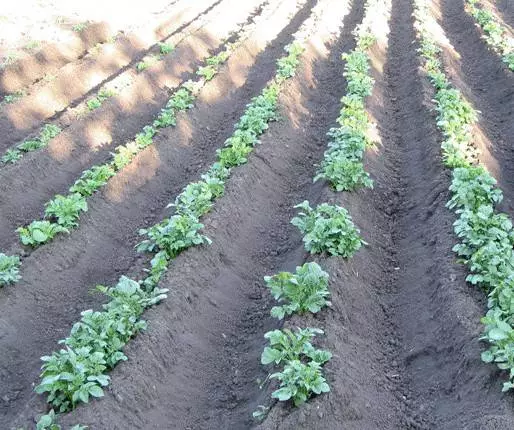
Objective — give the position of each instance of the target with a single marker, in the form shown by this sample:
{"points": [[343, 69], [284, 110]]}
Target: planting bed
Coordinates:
{"points": [[403, 324]]}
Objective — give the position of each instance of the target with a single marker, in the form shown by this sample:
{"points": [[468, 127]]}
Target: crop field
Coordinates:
{"points": [[260, 214]]}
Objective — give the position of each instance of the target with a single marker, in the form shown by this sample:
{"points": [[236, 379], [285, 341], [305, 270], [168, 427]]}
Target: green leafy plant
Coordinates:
{"points": [[473, 187], [495, 34], [38, 232], [91, 180], [327, 229], [301, 374], [165, 48], [173, 235], [77, 372], [299, 381], [97, 101], [81, 26], [66, 210], [304, 291], [124, 155], [9, 269], [196, 199], [287, 345], [486, 237], [208, 72], [14, 97], [286, 66], [11, 156], [47, 132]]}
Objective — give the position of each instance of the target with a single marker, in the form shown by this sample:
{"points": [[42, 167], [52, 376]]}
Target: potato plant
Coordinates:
{"points": [[49, 422], [301, 375], [39, 232], [327, 229], [303, 291], [9, 269], [96, 102]]}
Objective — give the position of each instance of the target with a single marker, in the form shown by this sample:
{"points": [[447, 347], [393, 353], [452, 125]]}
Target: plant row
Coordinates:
{"points": [[495, 34], [486, 236], [326, 229], [342, 165], [47, 133], [78, 372], [62, 213]]}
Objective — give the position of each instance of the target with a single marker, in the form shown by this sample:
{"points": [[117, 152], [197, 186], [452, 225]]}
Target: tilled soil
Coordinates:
{"points": [[403, 325], [506, 8]]}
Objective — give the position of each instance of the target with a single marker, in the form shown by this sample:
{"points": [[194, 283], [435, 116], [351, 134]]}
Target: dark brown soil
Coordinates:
{"points": [[489, 85], [81, 79], [403, 326], [506, 9], [50, 58]]}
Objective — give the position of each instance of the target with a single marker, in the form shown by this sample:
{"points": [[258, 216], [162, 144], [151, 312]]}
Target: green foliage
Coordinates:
{"points": [[304, 291], [342, 164], [196, 199], [182, 100], [234, 155], [66, 210], [357, 74], [97, 101], [219, 59], [142, 65], [327, 229], [298, 381], [39, 232], [473, 187], [165, 48], [81, 26], [92, 179], [208, 72], [124, 155], [9, 269], [149, 61], [173, 235], [11, 156], [77, 372], [287, 345], [286, 66], [13, 97], [47, 132], [455, 115]]}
